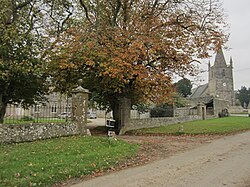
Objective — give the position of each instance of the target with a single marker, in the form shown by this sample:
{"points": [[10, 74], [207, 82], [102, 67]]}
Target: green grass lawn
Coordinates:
{"points": [[211, 126], [46, 162]]}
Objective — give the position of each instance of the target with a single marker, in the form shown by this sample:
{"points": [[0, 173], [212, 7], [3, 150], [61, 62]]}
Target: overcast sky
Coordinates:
{"points": [[238, 13]]}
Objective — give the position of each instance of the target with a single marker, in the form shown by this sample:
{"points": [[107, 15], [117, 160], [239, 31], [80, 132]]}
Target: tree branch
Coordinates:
{"points": [[86, 10], [21, 5], [116, 11]]}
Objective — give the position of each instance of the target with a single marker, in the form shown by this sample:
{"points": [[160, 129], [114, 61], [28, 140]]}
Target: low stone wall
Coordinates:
{"points": [[185, 111], [134, 114], [31, 132], [236, 109], [156, 122]]}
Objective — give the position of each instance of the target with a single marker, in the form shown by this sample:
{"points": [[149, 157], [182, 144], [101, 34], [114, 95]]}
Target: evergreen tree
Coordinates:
{"points": [[243, 95]]}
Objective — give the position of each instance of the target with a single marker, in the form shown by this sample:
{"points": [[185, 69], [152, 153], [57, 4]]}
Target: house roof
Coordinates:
{"points": [[207, 100], [197, 92]]}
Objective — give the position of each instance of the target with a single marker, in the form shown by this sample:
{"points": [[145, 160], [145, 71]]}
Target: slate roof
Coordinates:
{"points": [[197, 92]]}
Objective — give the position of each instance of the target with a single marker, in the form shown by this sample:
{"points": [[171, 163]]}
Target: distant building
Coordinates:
{"points": [[218, 93], [55, 104]]}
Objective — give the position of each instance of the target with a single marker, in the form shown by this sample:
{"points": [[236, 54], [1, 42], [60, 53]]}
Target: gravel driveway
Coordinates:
{"points": [[223, 162]]}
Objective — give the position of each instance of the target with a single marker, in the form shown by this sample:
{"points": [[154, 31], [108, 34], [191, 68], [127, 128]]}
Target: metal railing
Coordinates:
{"points": [[37, 114]]}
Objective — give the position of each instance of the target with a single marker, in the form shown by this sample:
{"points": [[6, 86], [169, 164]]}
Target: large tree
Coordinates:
{"points": [[25, 30], [243, 95], [21, 80], [132, 48], [183, 87]]}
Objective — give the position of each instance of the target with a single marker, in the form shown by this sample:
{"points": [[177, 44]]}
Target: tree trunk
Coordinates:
{"points": [[121, 112], [3, 107], [117, 116]]}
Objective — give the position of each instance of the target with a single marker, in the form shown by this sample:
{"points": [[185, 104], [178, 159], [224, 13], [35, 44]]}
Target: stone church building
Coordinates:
{"points": [[218, 93]]}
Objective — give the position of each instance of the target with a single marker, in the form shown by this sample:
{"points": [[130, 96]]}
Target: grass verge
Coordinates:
{"points": [[211, 126], [47, 162]]}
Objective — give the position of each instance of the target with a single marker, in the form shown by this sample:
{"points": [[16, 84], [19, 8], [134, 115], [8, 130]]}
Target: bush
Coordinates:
{"points": [[162, 110]]}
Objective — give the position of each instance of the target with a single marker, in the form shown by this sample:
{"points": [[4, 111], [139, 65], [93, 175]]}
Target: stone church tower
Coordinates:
{"points": [[220, 78]]}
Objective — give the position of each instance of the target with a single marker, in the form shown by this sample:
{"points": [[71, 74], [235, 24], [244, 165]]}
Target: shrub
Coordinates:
{"points": [[162, 110]]}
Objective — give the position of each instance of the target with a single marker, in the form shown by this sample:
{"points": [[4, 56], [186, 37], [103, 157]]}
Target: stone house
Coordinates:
{"points": [[56, 104]]}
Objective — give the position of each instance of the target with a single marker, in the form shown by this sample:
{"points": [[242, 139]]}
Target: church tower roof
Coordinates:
{"points": [[220, 59]]}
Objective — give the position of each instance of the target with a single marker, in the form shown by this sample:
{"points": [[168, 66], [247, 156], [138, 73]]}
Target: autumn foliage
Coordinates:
{"points": [[133, 48]]}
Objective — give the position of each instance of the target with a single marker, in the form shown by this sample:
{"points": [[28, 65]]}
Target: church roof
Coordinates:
{"points": [[220, 59], [197, 92]]}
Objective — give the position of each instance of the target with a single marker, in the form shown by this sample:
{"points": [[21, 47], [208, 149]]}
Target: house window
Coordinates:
{"points": [[68, 107], [53, 108]]}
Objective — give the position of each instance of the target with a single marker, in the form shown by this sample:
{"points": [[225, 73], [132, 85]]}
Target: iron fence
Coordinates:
{"points": [[37, 114]]}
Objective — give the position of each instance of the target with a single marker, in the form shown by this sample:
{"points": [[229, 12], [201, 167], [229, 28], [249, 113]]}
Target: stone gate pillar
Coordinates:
{"points": [[201, 110], [80, 107]]}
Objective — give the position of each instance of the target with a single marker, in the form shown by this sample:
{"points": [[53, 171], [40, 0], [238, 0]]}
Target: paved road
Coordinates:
{"points": [[96, 122], [224, 162]]}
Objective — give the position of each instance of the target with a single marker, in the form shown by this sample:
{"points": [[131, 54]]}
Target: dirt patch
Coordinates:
{"points": [[159, 147]]}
